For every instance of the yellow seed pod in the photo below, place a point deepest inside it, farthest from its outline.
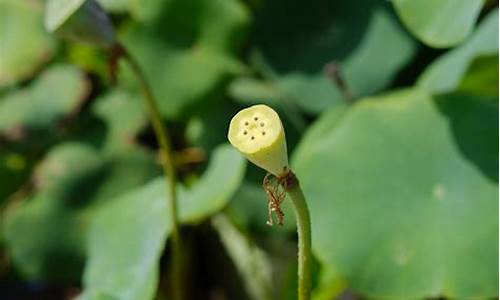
(257, 132)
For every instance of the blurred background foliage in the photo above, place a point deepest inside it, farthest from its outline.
(391, 113)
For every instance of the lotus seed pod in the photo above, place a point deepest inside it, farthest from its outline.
(79, 20)
(257, 132)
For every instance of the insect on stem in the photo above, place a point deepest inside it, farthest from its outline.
(275, 196)
(276, 188)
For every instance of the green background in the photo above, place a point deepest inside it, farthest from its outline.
(399, 164)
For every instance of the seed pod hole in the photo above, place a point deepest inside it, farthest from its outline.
(257, 132)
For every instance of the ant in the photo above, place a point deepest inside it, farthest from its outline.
(275, 197)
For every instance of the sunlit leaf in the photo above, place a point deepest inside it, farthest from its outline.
(141, 219)
(330, 286)
(117, 6)
(24, 44)
(215, 188)
(445, 74)
(124, 115)
(387, 208)
(250, 89)
(58, 92)
(126, 238)
(439, 24)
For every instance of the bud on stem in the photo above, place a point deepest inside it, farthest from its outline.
(79, 20)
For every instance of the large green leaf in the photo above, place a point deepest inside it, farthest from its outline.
(442, 23)
(124, 115)
(213, 191)
(46, 233)
(56, 93)
(404, 197)
(445, 74)
(24, 44)
(297, 40)
(184, 58)
(128, 233)
(254, 90)
(126, 238)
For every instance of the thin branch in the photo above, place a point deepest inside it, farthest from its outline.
(167, 162)
(332, 70)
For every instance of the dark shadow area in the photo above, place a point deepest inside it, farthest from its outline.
(175, 23)
(86, 185)
(210, 272)
(409, 75)
(304, 36)
(474, 122)
(34, 291)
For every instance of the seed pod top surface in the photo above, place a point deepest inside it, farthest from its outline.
(257, 132)
(254, 128)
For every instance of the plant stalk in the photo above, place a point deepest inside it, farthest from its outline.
(167, 163)
(302, 215)
(332, 70)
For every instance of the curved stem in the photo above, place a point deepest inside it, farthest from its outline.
(296, 195)
(167, 163)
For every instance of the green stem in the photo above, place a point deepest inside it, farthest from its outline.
(167, 163)
(304, 231)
